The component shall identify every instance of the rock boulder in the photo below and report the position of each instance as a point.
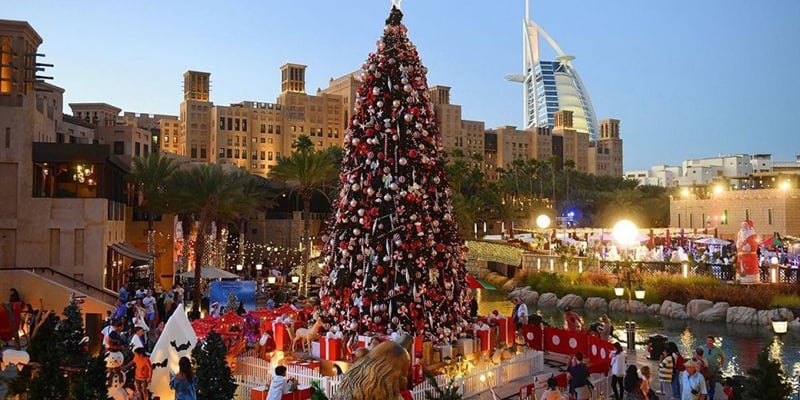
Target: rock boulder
(596, 303)
(717, 313)
(671, 309)
(742, 315)
(547, 300)
(570, 300)
(697, 306)
(528, 295)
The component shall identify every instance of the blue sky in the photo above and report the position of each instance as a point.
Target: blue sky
(687, 78)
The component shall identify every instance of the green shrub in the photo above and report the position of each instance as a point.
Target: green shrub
(784, 300)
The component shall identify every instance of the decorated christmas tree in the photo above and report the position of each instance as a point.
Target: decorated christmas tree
(393, 256)
(214, 377)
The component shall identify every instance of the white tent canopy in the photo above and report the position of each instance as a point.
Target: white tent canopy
(210, 273)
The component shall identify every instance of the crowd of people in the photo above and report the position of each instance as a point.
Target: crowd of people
(679, 377)
(133, 328)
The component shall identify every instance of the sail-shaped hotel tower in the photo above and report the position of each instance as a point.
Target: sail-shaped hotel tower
(550, 86)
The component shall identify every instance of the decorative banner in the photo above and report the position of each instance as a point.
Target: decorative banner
(534, 336)
(233, 292)
(177, 340)
(565, 342)
(599, 355)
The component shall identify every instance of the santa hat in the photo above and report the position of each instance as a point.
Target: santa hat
(749, 223)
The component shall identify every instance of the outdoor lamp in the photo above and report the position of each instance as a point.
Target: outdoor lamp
(543, 221)
(639, 293)
(779, 325)
(271, 279)
(239, 267)
(619, 290)
(259, 267)
(773, 269)
(295, 279)
(625, 233)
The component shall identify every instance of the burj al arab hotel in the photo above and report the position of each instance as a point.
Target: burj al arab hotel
(550, 86)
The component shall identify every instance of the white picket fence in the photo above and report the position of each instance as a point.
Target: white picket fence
(253, 372)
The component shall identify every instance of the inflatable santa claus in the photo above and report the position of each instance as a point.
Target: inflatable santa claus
(747, 259)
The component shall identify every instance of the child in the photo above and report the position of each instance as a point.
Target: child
(280, 385)
(551, 393)
(144, 373)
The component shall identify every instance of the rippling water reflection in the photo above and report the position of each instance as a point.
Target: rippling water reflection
(740, 343)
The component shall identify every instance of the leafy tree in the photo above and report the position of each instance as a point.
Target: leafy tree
(210, 194)
(214, 377)
(150, 176)
(767, 380)
(303, 144)
(569, 166)
(92, 386)
(50, 382)
(306, 171)
(553, 163)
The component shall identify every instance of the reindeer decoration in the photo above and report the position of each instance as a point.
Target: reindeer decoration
(307, 335)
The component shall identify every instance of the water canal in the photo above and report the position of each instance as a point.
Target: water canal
(741, 343)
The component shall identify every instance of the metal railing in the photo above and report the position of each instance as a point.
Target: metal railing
(69, 281)
(723, 272)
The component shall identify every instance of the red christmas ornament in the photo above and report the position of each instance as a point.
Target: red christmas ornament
(379, 270)
(413, 153)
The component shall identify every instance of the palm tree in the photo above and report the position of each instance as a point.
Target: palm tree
(255, 197)
(150, 176)
(210, 194)
(569, 166)
(553, 162)
(303, 143)
(306, 171)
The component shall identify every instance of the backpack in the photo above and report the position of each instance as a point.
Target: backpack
(679, 361)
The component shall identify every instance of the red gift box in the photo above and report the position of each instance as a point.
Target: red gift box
(281, 336)
(299, 394)
(417, 344)
(507, 330)
(258, 393)
(329, 349)
(364, 340)
(485, 337)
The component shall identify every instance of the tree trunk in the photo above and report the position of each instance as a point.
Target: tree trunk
(151, 249)
(199, 248)
(540, 177)
(241, 242)
(302, 288)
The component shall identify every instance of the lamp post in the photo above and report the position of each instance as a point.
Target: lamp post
(543, 222)
(779, 325)
(625, 233)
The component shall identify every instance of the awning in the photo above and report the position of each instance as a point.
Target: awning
(131, 252)
(478, 284)
(210, 273)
